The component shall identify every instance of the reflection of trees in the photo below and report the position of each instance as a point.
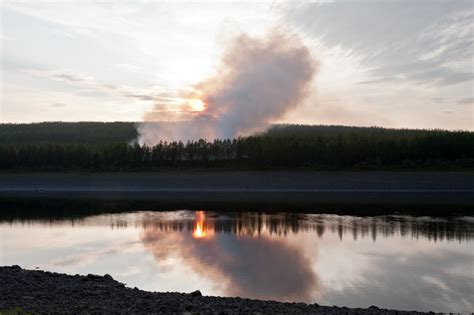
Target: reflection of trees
(251, 224)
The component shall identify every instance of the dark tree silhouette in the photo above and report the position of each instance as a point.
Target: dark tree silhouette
(107, 146)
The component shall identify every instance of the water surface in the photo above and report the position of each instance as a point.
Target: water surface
(401, 262)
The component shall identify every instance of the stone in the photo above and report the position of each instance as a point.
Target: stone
(108, 277)
(94, 277)
(196, 293)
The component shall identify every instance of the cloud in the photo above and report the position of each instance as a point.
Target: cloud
(380, 80)
(68, 77)
(467, 100)
(424, 42)
(90, 84)
(71, 16)
(438, 99)
(389, 59)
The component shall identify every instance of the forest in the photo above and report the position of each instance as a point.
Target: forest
(92, 146)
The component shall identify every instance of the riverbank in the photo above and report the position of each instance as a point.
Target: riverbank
(264, 190)
(45, 292)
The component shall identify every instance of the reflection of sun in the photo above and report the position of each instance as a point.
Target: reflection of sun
(200, 230)
(197, 105)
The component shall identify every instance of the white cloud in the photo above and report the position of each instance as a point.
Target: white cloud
(406, 54)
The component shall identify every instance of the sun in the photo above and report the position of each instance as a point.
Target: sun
(197, 105)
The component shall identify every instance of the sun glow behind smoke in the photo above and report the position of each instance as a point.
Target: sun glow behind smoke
(197, 105)
(258, 80)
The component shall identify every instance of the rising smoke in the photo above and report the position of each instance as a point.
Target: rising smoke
(258, 80)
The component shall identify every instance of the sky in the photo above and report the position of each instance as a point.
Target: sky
(400, 64)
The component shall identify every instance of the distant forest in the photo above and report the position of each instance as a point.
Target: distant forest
(56, 146)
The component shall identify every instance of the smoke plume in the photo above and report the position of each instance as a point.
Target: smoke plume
(258, 80)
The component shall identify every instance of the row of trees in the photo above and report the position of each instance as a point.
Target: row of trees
(68, 132)
(353, 148)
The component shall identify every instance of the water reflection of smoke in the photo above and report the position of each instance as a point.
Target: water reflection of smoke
(257, 267)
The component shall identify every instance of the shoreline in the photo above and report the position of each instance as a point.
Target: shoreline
(290, 189)
(48, 292)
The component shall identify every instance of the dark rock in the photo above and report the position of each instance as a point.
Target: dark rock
(16, 267)
(196, 293)
(108, 277)
(94, 277)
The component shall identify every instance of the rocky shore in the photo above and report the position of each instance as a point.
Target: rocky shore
(38, 291)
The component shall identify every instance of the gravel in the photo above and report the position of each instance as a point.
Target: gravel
(45, 292)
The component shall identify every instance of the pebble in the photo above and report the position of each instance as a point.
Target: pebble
(40, 292)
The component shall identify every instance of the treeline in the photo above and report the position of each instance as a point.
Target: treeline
(68, 132)
(283, 146)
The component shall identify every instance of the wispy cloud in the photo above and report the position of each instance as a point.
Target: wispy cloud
(467, 100)
(89, 84)
(68, 77)
(438, 99)
(426, 43)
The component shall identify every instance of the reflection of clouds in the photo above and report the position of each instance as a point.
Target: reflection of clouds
(368, 279)
(421, 280)
(82, 259)
(263, 267)
(246, 259)
(400, 262)
(130, 272)
(90, 256)
(74, 260)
